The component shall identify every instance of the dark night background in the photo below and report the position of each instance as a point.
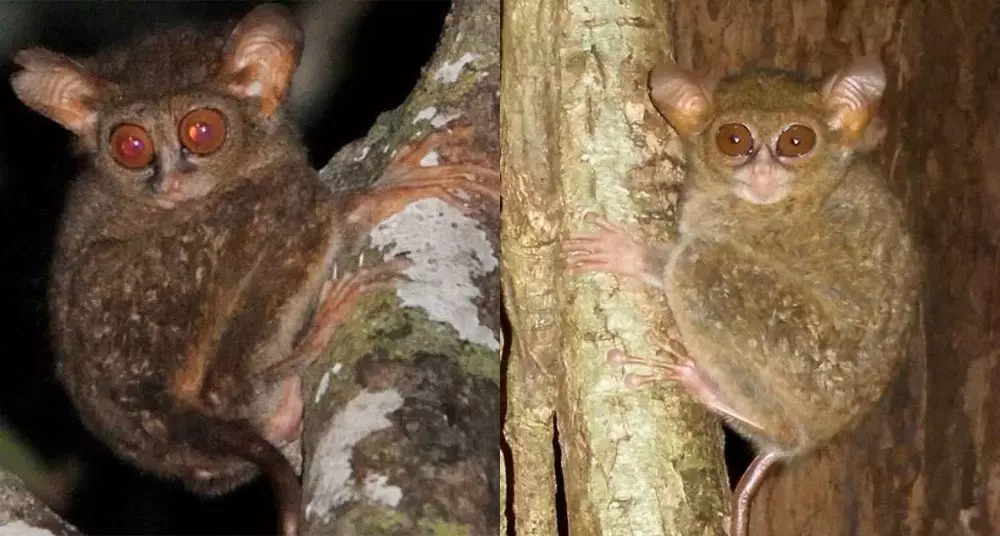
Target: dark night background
(390, 42)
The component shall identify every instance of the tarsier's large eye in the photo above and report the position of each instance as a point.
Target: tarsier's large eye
(202, 131)
(131, 146)
(734, 139)
(796, 140)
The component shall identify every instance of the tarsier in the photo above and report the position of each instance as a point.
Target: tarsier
(793, 280)
(192, 278)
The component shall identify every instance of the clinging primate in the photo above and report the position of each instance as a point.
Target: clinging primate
(793, 280)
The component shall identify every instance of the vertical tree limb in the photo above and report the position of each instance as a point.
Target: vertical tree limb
(579, 133)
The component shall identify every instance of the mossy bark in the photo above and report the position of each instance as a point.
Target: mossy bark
(579, 133)
(403, 415)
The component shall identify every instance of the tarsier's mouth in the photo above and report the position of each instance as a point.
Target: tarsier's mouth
(761, 190)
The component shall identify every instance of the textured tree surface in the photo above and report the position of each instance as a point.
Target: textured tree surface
(579, 133)
(22, 513)
(402, 416)
(926, 462)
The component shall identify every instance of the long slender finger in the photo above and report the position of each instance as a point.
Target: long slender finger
(341, 289)
(638, 381)
(616, 356)
(580, 239)
(591, 266)
(604, 223)
(584, 256)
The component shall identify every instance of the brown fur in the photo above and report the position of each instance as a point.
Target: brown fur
(796, 310)
(176, 318)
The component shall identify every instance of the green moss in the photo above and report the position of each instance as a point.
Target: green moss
(443, 528)
(403, 333)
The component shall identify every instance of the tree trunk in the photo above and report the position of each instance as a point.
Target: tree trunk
(579, 133)
(402, 418)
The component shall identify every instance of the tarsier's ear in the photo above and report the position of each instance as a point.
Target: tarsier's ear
(682, 99)
(60, 89)
(262, 54)
(852, 96)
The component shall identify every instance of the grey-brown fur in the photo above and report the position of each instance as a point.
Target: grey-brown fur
(794, 280)
(177, 314)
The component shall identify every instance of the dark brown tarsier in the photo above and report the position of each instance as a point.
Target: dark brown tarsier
(191, 281)
(793, 280)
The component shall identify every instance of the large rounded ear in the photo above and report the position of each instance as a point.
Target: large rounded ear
(852, 96)
(60, 89)
(682, 99)
(261, 56)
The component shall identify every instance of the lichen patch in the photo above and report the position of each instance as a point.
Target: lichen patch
(432, 158)
(20, 528)
(449, 71)
(425, 115)
(330, 473)
(324, 385)
(449, 250)
(378, 490)
(443, 119)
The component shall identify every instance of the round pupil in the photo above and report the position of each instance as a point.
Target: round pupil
(131, 146)
(200, 131)
(796, 140)
(734, 139)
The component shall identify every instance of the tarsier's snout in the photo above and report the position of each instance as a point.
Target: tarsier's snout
(762, 180)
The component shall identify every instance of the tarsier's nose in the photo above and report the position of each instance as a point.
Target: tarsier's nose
(173, 173)
(762, 160)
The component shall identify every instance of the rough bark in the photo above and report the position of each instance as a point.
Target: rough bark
(926, 462)
(402, 418)
(21, 513)
(579, 133)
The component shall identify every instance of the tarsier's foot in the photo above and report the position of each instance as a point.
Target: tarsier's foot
(683, 371)
(612, 249)
(285, 424)
(339, 297)
(678, 370)
(453, 184)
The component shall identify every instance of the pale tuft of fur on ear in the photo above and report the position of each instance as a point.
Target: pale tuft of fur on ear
(678, 95)
(59, 88)
(261, 56)
(852, 96)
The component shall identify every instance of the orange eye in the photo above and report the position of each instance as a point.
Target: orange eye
(734, 139)
(131, 146)
(796, 140)
(202, 131)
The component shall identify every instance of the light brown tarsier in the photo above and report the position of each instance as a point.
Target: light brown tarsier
(192, 276)
(793, 280)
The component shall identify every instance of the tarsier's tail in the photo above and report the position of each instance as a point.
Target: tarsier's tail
(241, 439)
(247, 442)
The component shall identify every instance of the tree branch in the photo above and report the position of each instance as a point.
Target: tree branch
(402, 417)
(22, 513)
